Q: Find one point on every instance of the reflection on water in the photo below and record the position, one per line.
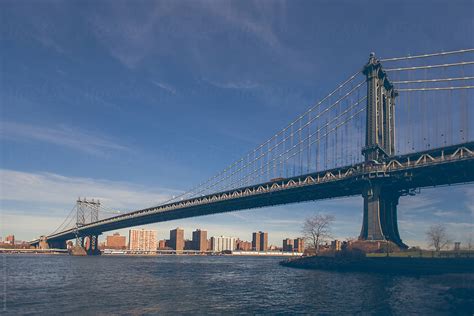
(223, 284)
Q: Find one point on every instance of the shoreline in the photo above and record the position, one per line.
(391, 265)
(118, 254)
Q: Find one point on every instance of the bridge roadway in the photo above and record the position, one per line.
(441, 166)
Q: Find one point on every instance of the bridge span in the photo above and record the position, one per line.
(398, 175)
(333, 150)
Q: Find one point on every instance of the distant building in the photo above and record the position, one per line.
(287, 244)
(116, 241)
(298, 245)
(10, 239)
(222, 243)
(457, 246)
(177, 239)
(260, 241)
(243, 245)
(200, 240)
(263, 241)
(188, 244)
(142, 240)
(256, 241)
(336, 245)
(274, 248)
(162, 244)
(209, 244)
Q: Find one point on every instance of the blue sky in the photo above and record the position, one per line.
(135, 102)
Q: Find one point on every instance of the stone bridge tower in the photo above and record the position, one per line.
(380, 203)
(86, 209)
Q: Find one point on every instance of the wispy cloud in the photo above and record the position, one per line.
(244, 21)
(417, 203)
(192, 24)
(237, 85)
(469, 192)
(164, 86)
(62, 136)
(49, 188)
(33, 203)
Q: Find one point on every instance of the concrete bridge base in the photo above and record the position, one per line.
(77, 251)
(380, 215)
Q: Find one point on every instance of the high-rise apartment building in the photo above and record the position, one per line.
(256, 241)
(287, 244)
(336, 245)
(200, 240)
(142, 240)
(243, 245)
(260, 241)
(298, 245)
(177, 239)
(162, 244)
(209, 244)
(222, 243)
(263, 241)
(116, 241)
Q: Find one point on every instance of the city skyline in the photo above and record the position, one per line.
(111, 240)
(104, 122)
(141, 240)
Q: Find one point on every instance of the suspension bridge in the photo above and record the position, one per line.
(396, 125)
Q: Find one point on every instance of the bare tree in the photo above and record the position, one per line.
(316, 229)
(437, 237)
(469, 242)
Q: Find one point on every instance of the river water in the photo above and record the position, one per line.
(61, 284)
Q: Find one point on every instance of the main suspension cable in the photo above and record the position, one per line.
(431, 66)
(432, 80)
(62, 224)
(256, 158)
(435, 89)
(199, 187)
(429, 55)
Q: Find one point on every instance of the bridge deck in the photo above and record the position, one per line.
(442, 166)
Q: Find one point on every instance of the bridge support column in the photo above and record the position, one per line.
(380, 215)
(380, 204)
(43, 243)
(86, 246)
(93, 249)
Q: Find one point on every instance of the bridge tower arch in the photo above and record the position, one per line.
(380, 203)
(87, 209)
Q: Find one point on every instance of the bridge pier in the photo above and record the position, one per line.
(45, 244)
(93, 247)
(86, 246)
(380, 215)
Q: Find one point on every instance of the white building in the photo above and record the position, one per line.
(142, 240)
(222, 243)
